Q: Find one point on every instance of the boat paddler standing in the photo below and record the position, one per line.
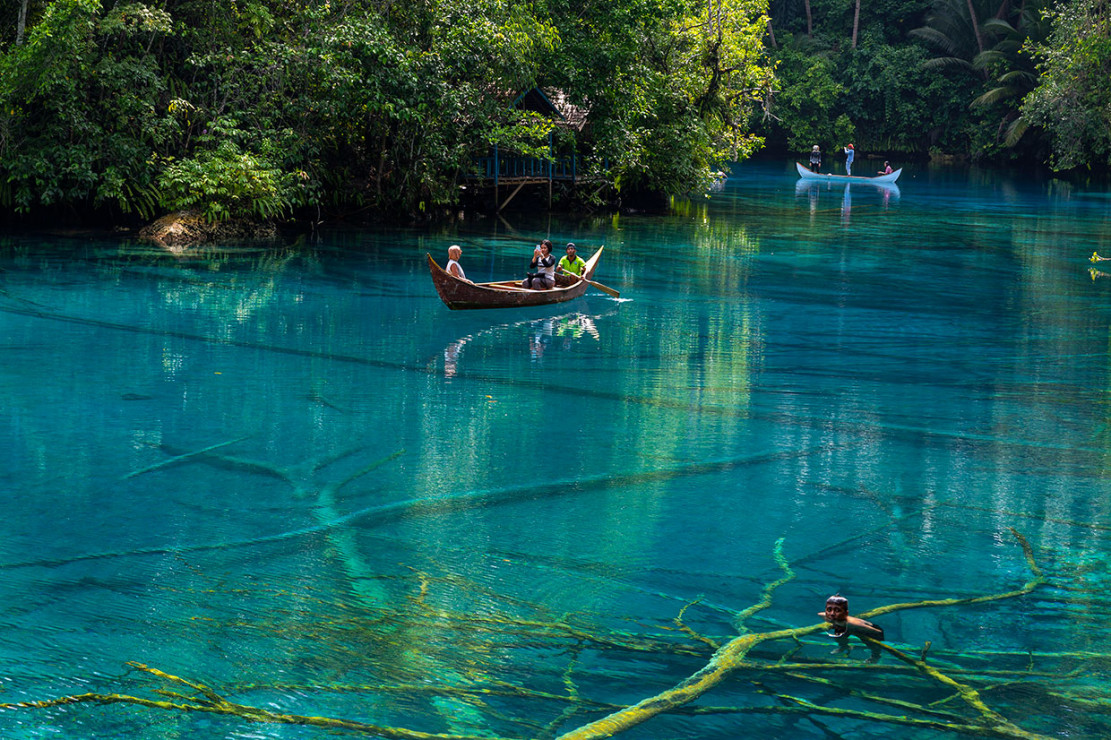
(816, 159)
(850, 153)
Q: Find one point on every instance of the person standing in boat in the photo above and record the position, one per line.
(842, 626)
(816, 159)
(544, 264)
(850, 153)
(572, 263)
(454, 252)
(886, 169)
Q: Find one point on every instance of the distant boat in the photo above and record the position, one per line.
(806, 174)
(460, 294)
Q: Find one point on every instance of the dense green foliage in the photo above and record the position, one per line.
(264, 107)
(271, 107)
(916, 77)
(1073, 100)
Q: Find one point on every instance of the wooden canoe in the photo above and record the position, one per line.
(460, 294)
(806, 174)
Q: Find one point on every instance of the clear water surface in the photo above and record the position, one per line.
(293, 476)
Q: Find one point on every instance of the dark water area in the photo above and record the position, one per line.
(294, 477)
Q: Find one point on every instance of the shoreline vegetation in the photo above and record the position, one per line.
(261, 112)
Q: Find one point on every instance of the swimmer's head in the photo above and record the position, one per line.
(837, 609)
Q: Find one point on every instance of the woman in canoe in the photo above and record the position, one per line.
(815, 159)
(544, 264)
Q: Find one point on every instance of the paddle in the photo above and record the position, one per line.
(603, 288)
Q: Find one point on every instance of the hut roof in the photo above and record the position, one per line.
(550, 101)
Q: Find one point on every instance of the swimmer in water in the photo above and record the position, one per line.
(842, 626)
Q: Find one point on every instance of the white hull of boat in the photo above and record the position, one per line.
(806, 174)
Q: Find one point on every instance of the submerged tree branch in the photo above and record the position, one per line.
(733, 656)
(979, 718)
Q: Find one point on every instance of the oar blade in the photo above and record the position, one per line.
(605, 289)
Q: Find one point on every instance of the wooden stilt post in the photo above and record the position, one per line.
(511, 196)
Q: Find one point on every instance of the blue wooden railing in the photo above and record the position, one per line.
(499, 167)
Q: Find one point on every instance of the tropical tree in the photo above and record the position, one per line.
(14, 18)
(671, 87)
(77, 124)
(897, 105)
(807, 107)
(1072, 102)
(259, 106)
(1012, 73)
(953, 30)
(986, 39)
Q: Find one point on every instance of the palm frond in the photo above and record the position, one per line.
(936, 38)
(1019, 78)
(997, 27)
(1015, 131)
(993, 96)
(986, 58)
(947, 63)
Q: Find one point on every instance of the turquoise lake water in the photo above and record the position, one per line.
(295, 477)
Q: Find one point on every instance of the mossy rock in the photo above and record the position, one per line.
(187, 228)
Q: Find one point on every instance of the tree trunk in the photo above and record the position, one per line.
(856, 22)
(976, 31)
(810, 21)
(21, 23)
(975, 27)
(771, 34)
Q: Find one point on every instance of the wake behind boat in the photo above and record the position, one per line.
(461, 294)
(806, 174)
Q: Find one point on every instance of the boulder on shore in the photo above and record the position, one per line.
(187, 228)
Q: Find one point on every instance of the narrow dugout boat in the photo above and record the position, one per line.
(806, 174)
(460, 294)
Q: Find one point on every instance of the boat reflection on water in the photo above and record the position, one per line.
(888, 191)
(563, 330)
(451, 356)
(817, 190)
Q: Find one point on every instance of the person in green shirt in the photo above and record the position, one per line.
(572, 264)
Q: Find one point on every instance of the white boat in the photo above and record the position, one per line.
(806, 174)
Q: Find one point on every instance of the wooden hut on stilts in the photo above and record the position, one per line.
(504, 174)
